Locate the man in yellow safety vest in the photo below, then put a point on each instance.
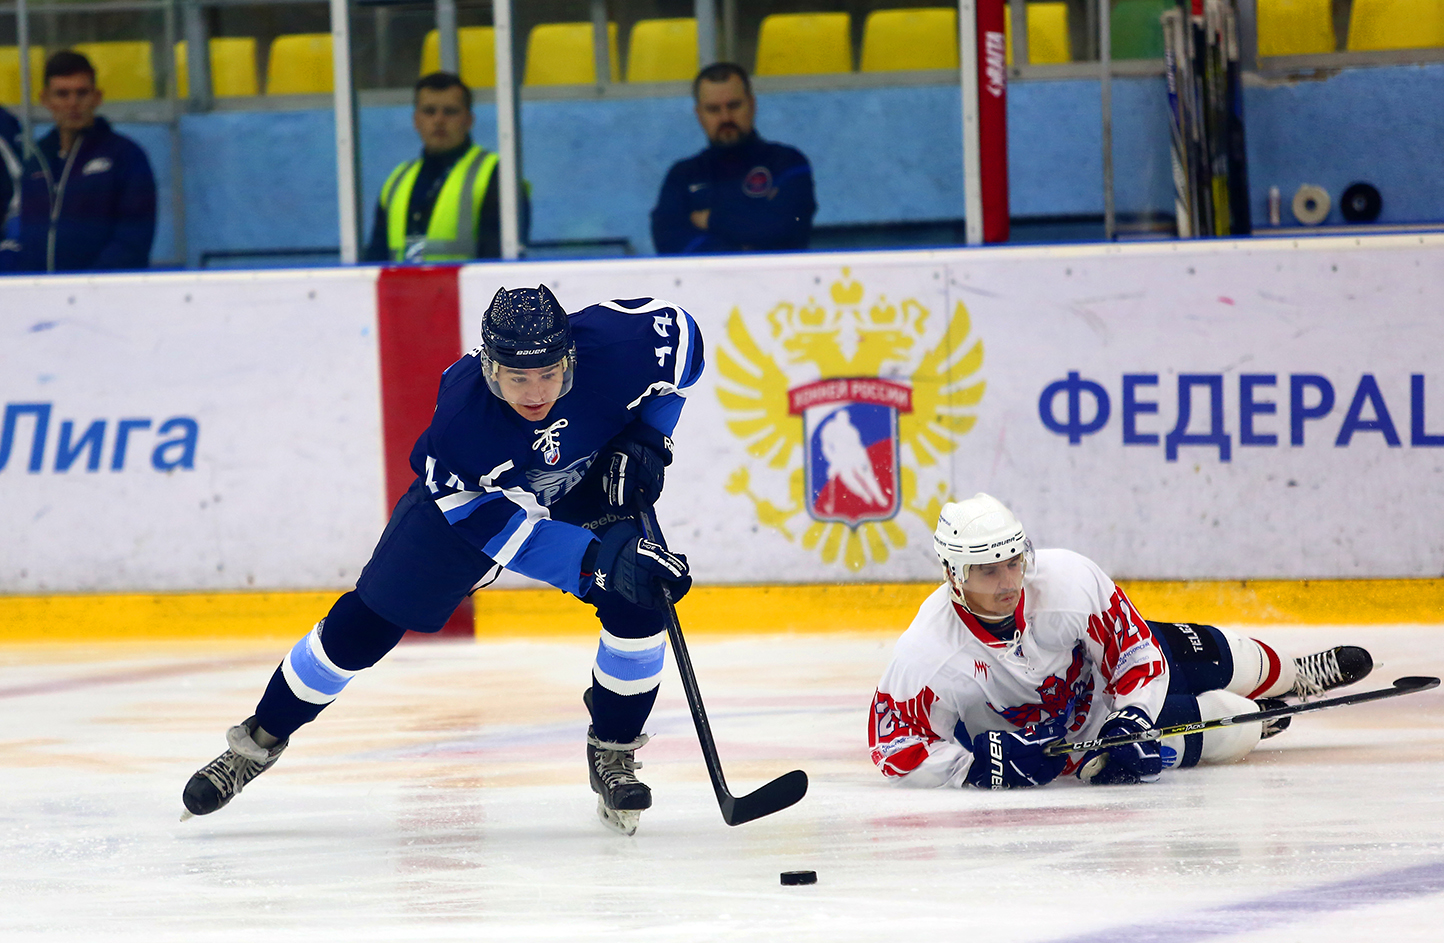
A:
(445, 205)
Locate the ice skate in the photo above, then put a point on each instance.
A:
(1272, 728)
(620, 797)
(218, 782)
(1334, 668)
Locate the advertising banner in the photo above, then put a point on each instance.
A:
(1234, 410)
(1237, 410)
(183, 432)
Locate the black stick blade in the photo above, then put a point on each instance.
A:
(1416, 683)
(777, 795)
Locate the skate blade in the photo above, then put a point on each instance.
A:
(187, 814)
(618, 820)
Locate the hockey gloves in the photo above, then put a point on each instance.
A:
(1015, 759)
(1131, 763)
(635, 462)
(633, 567)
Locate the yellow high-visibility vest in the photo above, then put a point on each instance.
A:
(451, 231)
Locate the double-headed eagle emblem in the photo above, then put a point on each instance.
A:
(858, 405)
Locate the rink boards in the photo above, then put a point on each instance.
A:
(1231, 411)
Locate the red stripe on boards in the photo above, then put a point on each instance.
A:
(418, 326)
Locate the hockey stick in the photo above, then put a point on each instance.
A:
(773, 797)
(1408, 685)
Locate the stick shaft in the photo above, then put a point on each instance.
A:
(689, 677)
(1401, 686)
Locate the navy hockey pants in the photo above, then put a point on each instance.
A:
(1199, 660)
(418, 574)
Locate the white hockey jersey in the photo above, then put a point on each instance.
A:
(1081, 651)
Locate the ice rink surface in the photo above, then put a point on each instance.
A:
(444, 797)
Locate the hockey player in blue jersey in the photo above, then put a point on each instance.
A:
(543, 441)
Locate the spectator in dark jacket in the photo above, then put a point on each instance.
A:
(741, 194)
(10, 151)
(87, 195)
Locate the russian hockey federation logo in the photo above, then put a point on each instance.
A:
(848, 411)
(549, 441)
(850, 447)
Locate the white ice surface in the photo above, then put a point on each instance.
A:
(444, 797)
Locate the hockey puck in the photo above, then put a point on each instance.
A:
(799, 877)
(1311, 204)
(1361, 203)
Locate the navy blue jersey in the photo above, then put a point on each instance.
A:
(495, 474)
(758, 193)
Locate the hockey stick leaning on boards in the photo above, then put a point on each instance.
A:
(772, 797)
(1408, 685)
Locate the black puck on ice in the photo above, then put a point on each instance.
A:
(799, 877)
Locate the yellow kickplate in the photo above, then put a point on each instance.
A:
(884, 608)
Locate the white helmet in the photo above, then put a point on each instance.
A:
(978, 530)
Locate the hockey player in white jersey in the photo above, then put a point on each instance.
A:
(1018, 649)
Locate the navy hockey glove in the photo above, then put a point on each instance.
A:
(1015, 759)
(1128, 764)
(633, 567)
(635, 462)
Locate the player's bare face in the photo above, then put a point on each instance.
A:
(725, 110)
(532, 391)
(441, 118)
(72, 100)
(993, 589)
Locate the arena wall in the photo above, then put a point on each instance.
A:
(1225, 411)
(880, 155)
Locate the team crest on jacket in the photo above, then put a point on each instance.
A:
(848, 408)
(758, 182)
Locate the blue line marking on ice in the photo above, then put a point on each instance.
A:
(1275, 910)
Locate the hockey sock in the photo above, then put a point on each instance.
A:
(1259, 670)
(625, 677)
(322, 663)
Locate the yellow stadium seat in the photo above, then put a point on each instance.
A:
(300, 64)
(123, 70)
(476, 47)
(903, 40)
(663, 51)
(804, 44)
(562, 54)
(1047, 33)
(10, 73)
(1296, 27)
(233, 67)
(1396, 24)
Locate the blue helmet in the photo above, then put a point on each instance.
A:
(526, 328)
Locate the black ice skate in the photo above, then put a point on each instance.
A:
(620, 797)
(1272, 728)
(1334, 668)
(222, 778)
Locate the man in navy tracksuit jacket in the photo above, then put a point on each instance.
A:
(10, 151)
(87, 194)
(741, 194)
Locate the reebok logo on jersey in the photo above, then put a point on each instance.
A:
(980, 668)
